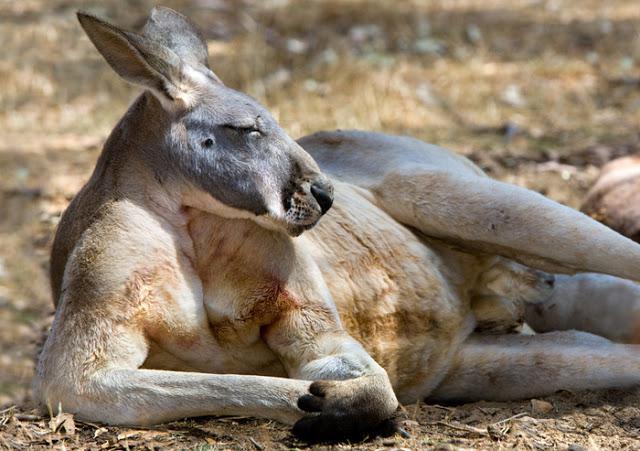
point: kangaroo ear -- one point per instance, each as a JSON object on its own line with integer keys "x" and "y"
{"x": 138, "y": 59}
{"x": 176, "y": 32}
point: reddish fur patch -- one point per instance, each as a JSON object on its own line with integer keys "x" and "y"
{"x": 268, "y": 302}
{"x": 295, "y": 324}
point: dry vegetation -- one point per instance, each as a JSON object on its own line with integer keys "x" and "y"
{"x": 540, "y": 93}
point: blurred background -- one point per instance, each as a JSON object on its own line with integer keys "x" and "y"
{"x": 537, "y": 92}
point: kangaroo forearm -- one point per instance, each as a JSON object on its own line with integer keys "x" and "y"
{"x": 152, "y": 396}
{"x": 333, "y": 356}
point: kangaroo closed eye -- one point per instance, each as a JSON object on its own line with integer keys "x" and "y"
{"x": 244, "y": 128}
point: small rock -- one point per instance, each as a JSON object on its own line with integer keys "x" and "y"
{"x": 364, "y": 33}
{"x": 429, "y": 46}
{"x": 540, "y": 406}
{"x": 379, "y": 59}
{"x": 626, "y": 63}
{"x": 592, "y": 57}
{"x": 473, "y": 34}
{"x": 329, "y": 56}
{"x": 574, "y": 447}
{"x": 311, "y": 85}
{"x": 278, "y": 78}
{"x": 389, "y": 442}
{"x": 22, "y": 174}
{"x": 606, "y": 27}
{"x": 297, "y": 46}
{"x": 513, "y": 96}
{"x": 425, "y": 94}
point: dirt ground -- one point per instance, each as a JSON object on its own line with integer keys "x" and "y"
{"x": 539, "y": 93}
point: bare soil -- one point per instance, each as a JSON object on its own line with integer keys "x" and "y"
{"x": 538, "y": 93}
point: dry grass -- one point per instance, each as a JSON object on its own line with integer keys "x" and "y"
{"x": 540, "y": 93}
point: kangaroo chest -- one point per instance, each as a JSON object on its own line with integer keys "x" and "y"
{"x": 388, "y": 287}
{"x": 233, "y": 294}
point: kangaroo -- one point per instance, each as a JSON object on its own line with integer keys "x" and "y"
{"x": 212, "y": 265}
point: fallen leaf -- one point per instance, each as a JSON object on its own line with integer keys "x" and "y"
{"x": 540, "y": 406}
{"x": 63, "y": 421}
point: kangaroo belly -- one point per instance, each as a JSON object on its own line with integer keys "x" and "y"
{"x": 394, "y": 294}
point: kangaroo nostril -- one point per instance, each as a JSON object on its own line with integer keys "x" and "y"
{"x": 324, "y": 199}
{"x": 550, "y": 280}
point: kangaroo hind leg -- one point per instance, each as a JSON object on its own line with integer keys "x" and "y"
{"x": 511, "y": 367}
{"x": 481, "y": 214}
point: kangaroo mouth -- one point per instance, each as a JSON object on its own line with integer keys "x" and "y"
{"x": 298, "y": 229}
{"x": 303, "y": 204}
{"x": 303, "y": 213}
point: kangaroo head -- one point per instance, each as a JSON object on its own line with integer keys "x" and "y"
{"x": 222, "y": 145}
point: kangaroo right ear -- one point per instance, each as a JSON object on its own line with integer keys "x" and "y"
{"x": 137, "y": 59}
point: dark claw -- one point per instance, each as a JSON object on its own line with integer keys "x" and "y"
{"x": 310, "y": 403}
{"x": 388, "y": 428}
{"x": 317, "y": 388}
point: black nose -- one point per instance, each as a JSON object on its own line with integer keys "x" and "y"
{"x": 324, "y": 199}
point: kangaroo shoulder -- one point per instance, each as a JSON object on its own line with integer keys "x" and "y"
{"x": 104, "y": 245}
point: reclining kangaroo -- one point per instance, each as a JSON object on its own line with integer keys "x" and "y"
{"x": 184, "y": 284}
